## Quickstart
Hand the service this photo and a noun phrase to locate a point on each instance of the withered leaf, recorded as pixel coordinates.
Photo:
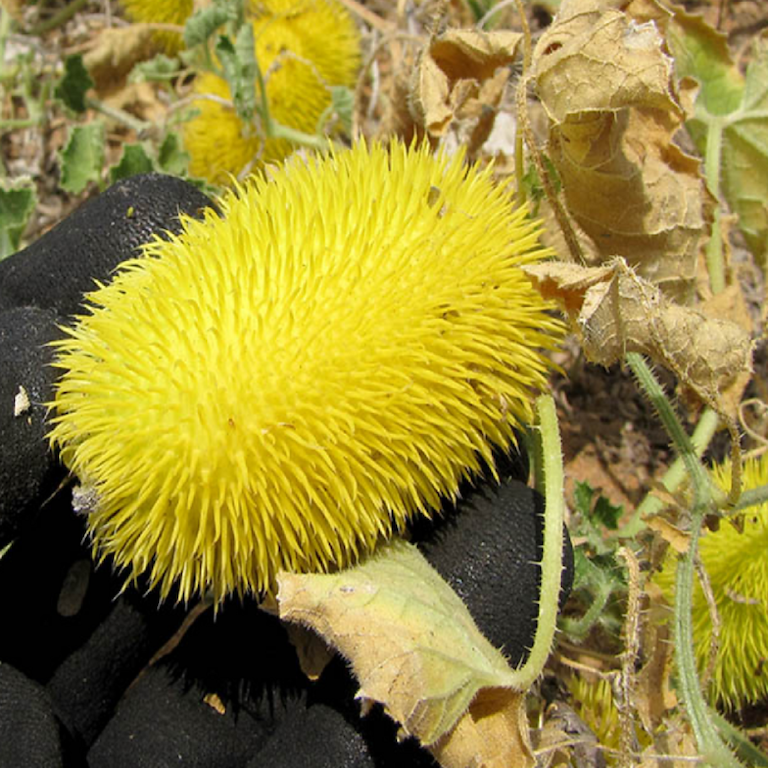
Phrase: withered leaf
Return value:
(459, 82)
(493, 733)
(614, 311)
(114, 51)
(595, 58)
(413, 647)
(608, 86)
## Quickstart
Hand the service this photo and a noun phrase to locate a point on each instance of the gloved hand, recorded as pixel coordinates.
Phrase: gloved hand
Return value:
(230, 692)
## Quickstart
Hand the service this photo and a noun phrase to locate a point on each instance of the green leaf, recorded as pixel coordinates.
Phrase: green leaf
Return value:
(603, 512)
(534, 189)
(701, 52)
(240, 70)
(18, 199)
(74, 84)
(731, 113)
(157, 69)
(343, 102)
(202, 24)
(410, 639)
(171, 156)
(608, 514)
(82, 158)
(582, 498)
(133, 161)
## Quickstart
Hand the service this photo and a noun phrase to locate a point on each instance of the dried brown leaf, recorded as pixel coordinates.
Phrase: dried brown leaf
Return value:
(678, 539)
(493, 733)
(614, 311)
(654, 695)
(594, 58)
(114, 51)
(459, 83)
(312, 652)
(608, 86)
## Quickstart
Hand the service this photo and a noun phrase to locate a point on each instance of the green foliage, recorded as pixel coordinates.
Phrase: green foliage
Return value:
(133, 161)
(203, 23)
(160, 68)
(240, 71)
(597, 574)
(83, 157)
(730, 123)
(140, 158)
(172, 157)
(74, 84)
(18, 199)
(596, 514)
(534, 189)
(341, 108)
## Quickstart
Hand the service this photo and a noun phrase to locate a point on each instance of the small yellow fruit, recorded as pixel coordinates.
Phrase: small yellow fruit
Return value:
(737, 565)
(281, 387)
(303, 47)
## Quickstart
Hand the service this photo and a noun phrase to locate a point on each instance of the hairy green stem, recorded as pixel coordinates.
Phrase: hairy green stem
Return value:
(578, 628)
(744, 748)
(120, 115)
(549, 466)
(59, 18)
(677, 434)
(674, 476)
(713, 750)
(5, 28)
(750, 498)
(23, 122)
(714, 250)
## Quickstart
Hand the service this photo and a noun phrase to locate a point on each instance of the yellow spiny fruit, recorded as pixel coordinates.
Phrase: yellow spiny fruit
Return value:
(283, 386)
(303, 47)
(737, 566)
(166, 12)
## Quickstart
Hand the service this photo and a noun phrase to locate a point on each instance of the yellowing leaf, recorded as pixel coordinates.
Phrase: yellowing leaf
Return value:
(411, 641)
(614, 311)
(607, 84)
(493, 733)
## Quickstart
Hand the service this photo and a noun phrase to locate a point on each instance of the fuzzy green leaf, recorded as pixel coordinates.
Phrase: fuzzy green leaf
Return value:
(158, 69)
(343, 102)
(82, 158)
(240, 70)
(18, 199)
(74, 84)
(731, 112)
(202, 24)
(171, 156)
(133, 161)
(411, 641)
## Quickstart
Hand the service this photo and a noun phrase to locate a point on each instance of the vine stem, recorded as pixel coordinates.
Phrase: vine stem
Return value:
(713, 750)
(59, 18)
(706, 499)
(549, 467)
(714, 249)
(674, 476)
